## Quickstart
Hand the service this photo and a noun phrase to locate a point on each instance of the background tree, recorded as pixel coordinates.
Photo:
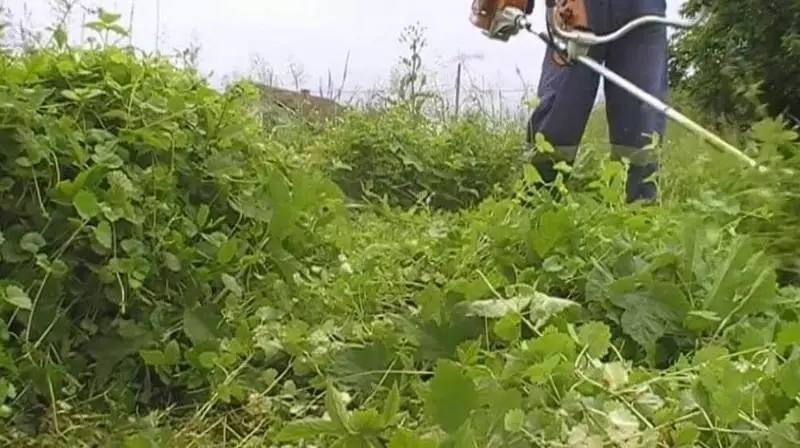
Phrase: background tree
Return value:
(742, 64)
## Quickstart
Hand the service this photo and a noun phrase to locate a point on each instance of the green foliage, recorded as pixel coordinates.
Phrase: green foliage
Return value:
(748, 54)
(141, 216)
(409, 159)
(173, 275)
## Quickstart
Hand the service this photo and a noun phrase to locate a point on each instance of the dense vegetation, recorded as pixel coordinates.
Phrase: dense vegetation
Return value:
(744, 62)
(174, 273)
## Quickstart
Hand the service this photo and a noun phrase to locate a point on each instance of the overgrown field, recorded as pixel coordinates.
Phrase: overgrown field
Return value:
(174, 274)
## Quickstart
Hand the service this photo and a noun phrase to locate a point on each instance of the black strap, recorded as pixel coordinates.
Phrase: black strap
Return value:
(550, 41)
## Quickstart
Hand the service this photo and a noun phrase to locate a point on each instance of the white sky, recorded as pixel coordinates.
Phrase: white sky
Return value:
(319, 33)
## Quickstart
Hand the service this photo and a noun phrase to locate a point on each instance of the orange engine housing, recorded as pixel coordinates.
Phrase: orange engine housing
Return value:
(483, 11)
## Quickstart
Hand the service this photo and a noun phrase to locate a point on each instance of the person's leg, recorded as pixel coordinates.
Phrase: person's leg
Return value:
(566, 94)
(640, 57)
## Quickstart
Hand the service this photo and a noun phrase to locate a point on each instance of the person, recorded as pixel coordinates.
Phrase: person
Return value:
(567, 91)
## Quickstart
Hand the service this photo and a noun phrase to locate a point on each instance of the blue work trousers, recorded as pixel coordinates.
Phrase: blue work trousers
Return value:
(567, 93)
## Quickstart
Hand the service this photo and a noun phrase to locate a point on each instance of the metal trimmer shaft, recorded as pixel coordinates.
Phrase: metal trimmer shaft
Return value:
(511, 20)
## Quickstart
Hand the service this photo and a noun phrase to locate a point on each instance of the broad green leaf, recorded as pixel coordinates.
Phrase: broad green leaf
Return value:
(208, 359)
(650, 402)
(138, 441)
(108, 17)
(336, 408)
(494, 308)
(644, 326)
(615, 374)
(32, 242)
(464, 437)
(404, 438)
(391, 406)
(793, 416)
(366, 421)
(58, 268)
(133, 248)
(86, 205)
(508, 327)
(430, 301)
(172, 353)
(282, 220)
(202, 216)
(651, 311)
(699, 320)
(543, 145)
(60, 36)
(364, 367)
(579, 437)
(119, 29)
(783, 435)
(788, 377)
(306, 429)
(686, 434)
(172, 262)
(540, 373)
(531, 174)
(562, 166)
(18, 297)
(226, 252)
(514, 420)
(624, 423)
(710, 353)
(152, 357)
(200, 324)
(230, 130)
(550, 230)
(70, 95)
(596, 337)
(452, 396)
(231, 284)
(544, 307)
(788, 336)
(745, 282)
(279, 188)
(103, 234)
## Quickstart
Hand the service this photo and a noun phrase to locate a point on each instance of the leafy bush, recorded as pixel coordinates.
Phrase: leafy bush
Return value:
(747, 54)
(409, 159)
(141, 216)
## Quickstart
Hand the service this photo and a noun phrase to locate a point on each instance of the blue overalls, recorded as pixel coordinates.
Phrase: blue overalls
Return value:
(567, 92)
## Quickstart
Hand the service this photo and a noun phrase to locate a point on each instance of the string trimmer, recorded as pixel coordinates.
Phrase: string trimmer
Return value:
(501, 19)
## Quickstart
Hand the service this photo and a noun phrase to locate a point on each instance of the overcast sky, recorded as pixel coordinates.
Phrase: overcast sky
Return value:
(318, 34)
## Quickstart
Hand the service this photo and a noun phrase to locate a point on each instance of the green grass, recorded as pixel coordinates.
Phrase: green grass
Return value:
(173, 273)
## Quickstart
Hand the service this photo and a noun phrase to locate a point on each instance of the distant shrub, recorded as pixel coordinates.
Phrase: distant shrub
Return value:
(410, 159)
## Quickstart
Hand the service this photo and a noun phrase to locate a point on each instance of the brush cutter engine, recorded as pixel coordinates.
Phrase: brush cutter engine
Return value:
(491, 16)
